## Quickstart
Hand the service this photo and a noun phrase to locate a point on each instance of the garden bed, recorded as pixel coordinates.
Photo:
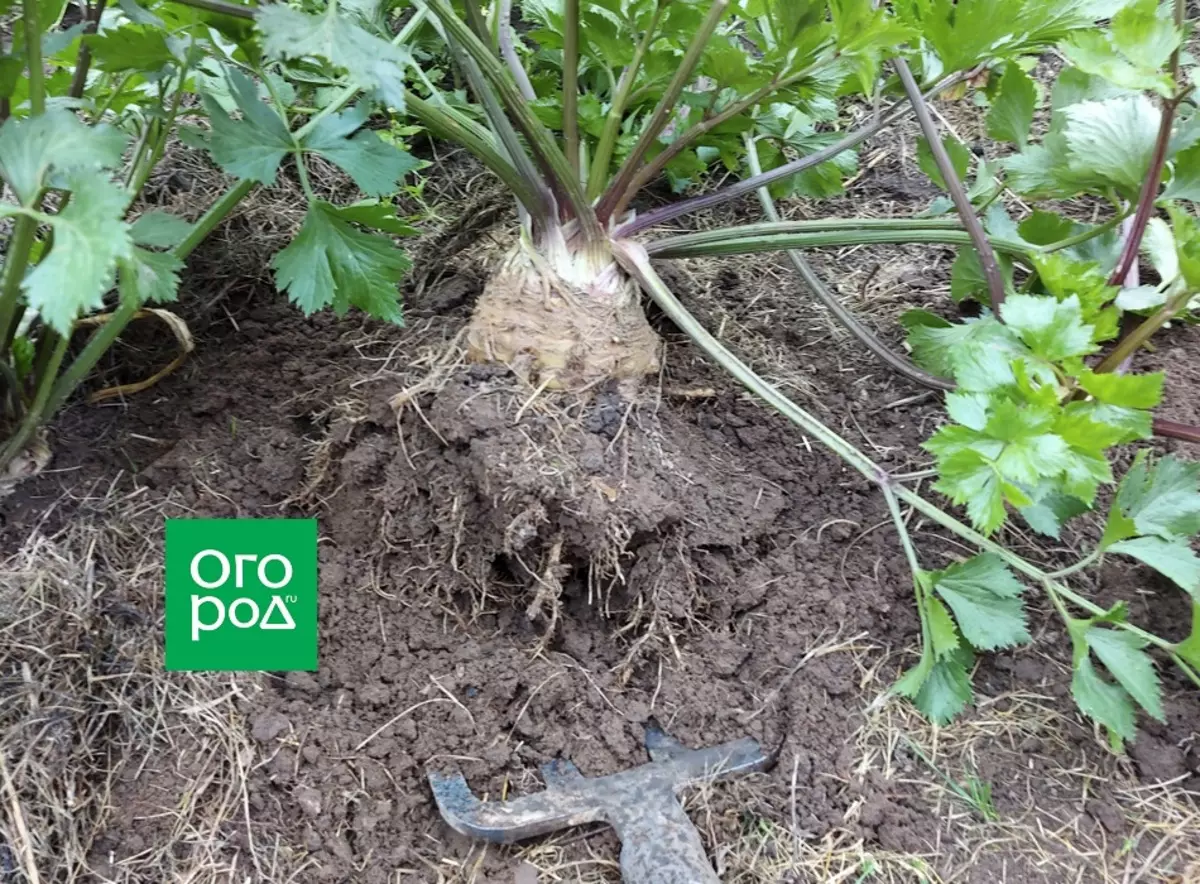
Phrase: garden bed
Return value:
(690, 556)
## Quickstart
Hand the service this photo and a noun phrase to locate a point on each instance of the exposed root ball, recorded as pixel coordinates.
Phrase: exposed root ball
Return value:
(567, 328)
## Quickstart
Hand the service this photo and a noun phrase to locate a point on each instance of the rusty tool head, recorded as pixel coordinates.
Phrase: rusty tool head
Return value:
(658, 841)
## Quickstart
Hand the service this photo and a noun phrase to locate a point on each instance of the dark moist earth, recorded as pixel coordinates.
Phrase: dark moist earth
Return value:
(702, 547)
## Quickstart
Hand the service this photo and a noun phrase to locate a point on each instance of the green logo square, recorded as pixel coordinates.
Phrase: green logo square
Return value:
(241, 595)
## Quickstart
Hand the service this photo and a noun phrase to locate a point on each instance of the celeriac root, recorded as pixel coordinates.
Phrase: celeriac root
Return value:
(564, 333)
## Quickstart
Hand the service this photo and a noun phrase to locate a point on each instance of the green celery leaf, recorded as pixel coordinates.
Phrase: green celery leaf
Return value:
(966, 32)
(378, 215)
(32, 147)
(969, 479)
(1094, 53)
(375, 165)
(1122, 654)
(159, 229)
(977, 353)
(946, 692)
(1052, 329)
(1142, 297)
(942, 632)
(1074, 85)
(251, 147)
(1184, 183)
(909, 684)
(916, 318)
(1011, 115)
(155, 276)
(986, 600)
(967, 279)
(1172, 558)
(1129, 390)
(1064, 276)
(373, 64)
(130, 48)
(1051, 512)
(1145, 33)
(1084, 473)
(1113, 140)
(1163, 500)
(90, 236)
(960, 160)
(1030, 450)
(1102, 701)
(1078, 426)
(1043, 228)
(1187, 245)
(968, 409)
(333, 263)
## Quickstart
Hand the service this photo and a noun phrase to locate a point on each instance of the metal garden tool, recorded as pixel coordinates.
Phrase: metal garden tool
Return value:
(659, 845)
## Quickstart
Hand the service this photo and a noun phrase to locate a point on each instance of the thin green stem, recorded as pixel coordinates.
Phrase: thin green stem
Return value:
(31, 19)
(658, 165)
(302, 172)
(914, 564)
(634, 258)
(149, 130)
(142, 175)
(598, 176)
(221, 7)
(16, 262)
(83, 59)
(958, 194)
(823, 294)
(33, 417)
(821, 234)
(893, 505)
(113, 95)
(542, 143)
(440, 121)
(1084, 563)
(46, 345)
(1085, 235)
(620, 185)
(209, 221)
(1133, 341)
(570, 84)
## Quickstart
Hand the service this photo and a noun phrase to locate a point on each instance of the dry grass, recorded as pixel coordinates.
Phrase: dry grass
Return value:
(92, 729)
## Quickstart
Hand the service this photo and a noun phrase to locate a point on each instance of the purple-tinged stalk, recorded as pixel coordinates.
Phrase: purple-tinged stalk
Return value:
(749, 185)
(958, 194)
(1121, 356)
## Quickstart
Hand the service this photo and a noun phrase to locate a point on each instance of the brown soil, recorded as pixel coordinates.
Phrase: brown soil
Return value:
(508, 577)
